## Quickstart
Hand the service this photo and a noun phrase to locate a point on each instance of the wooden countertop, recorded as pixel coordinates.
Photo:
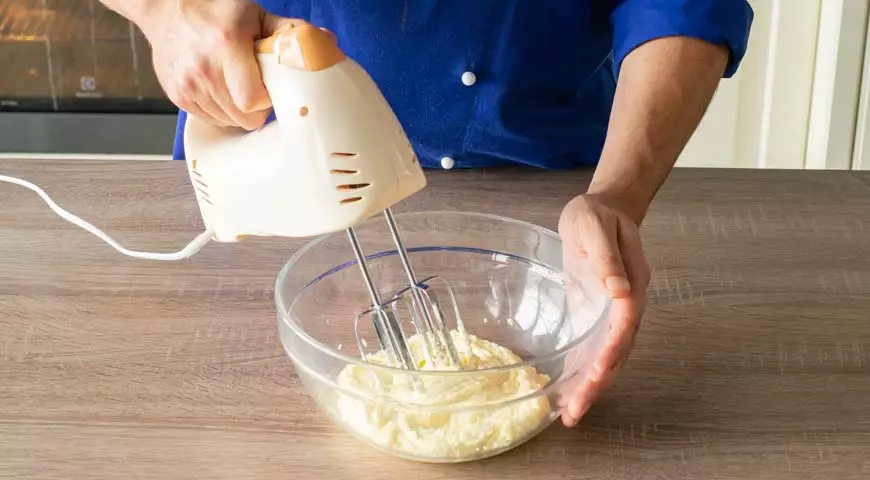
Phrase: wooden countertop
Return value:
(752, 362)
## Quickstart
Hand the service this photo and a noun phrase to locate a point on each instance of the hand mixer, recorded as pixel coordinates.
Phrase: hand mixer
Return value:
(336, 155)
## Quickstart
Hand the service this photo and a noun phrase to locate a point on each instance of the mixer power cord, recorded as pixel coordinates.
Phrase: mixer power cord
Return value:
(191, 249)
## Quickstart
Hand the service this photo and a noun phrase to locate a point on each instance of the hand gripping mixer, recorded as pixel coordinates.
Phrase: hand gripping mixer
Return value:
(336, 155)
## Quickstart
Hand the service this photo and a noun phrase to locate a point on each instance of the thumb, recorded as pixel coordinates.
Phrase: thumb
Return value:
(242, 71)
(273, 24)
(602, 246)
(243, 78)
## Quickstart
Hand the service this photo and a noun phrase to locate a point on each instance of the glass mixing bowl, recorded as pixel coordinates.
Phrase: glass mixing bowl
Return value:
(509, 288)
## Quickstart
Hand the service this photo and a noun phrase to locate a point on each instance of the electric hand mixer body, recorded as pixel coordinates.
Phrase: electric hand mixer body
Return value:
(335, 156)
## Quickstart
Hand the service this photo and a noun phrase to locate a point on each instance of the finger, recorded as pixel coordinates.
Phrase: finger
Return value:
(615, 351)
(582, 400)
(633, 258)
(192, 89)
(221, 95)
(195, 110)
(578, 397)
(186, 93)
(600, 240)
(331, 35)
(202, 108)
(215, 115)
(584, 397)
(273, 23)
(626, 313)
(243, 83)
(624, 321)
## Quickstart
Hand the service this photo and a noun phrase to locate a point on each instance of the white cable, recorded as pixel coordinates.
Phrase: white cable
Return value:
(192, 248)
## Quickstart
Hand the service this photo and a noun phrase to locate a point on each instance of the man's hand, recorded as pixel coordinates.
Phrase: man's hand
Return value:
(663, 90)
(593, 228)
(204, 56)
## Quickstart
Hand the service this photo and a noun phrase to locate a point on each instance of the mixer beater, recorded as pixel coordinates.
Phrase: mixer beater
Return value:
(426, 314)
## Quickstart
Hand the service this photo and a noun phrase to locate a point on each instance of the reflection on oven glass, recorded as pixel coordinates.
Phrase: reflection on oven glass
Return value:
(74, 56)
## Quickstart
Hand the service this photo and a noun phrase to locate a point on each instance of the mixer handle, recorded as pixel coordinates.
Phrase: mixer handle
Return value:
(299, 44)
(295, 44)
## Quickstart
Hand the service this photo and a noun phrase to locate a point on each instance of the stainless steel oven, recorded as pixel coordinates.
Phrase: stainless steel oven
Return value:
(76, 78)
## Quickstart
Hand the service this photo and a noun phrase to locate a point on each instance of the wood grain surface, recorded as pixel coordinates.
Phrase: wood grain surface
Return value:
(753, 360)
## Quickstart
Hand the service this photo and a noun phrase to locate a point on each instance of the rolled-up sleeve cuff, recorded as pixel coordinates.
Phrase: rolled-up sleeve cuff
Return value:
(721, 22)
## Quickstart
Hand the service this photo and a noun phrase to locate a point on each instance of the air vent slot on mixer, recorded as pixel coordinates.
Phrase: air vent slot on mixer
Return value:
(347, 187)
(203, 195)
(353, 186)
(202, 188)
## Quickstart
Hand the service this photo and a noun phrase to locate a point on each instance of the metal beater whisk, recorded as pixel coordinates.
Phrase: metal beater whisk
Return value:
(426, 314)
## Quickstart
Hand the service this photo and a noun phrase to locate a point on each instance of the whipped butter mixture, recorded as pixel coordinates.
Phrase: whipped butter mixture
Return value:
(428, 415)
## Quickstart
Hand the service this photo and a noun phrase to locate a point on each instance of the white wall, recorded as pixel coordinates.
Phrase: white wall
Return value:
(861, 152)
(794, 102)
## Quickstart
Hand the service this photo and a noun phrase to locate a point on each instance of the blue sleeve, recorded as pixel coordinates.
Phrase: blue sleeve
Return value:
(178, 144)
(287, 8)
(722, 22)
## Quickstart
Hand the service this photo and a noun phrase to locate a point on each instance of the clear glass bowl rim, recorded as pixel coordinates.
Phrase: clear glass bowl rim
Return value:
(283, 310)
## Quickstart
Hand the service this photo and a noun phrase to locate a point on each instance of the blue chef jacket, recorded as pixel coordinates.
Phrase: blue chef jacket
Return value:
(506, 82)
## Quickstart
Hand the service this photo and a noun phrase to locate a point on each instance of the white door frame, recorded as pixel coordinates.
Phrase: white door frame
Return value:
(861, 153)
(760, 118)
(837, 84)
(787, 83)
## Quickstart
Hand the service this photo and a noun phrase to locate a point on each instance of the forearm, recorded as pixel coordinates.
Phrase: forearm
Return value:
(664, 89)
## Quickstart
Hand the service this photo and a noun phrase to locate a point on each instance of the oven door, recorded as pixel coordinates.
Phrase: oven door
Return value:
(77, 80)
(81, 135)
